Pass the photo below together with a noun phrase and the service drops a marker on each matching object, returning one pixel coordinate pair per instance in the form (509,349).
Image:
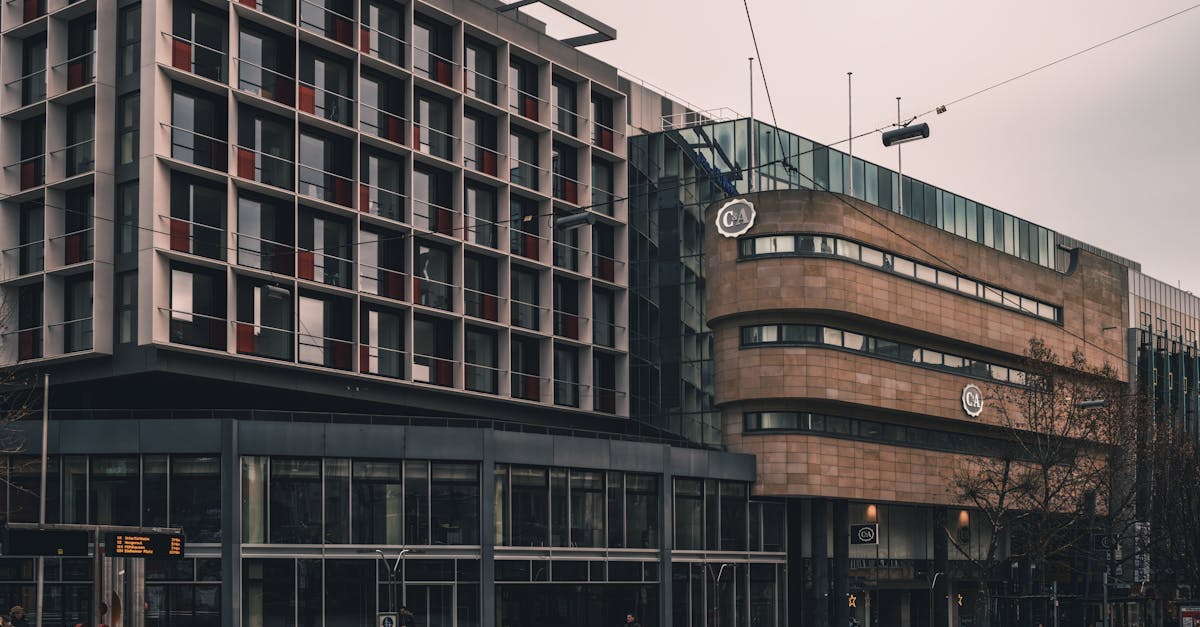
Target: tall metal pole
(850,123)
(750,146)
(899,160)
(41,561)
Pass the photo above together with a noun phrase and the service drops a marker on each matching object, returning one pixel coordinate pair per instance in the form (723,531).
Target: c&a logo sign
(735,218)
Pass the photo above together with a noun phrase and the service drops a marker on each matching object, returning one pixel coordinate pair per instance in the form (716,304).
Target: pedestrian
(406,617)
(17,615)
(631,621)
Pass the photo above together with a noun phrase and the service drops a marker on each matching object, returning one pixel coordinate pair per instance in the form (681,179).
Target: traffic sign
(864,534)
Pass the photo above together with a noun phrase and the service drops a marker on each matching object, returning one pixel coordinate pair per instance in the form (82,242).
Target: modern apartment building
(410,303)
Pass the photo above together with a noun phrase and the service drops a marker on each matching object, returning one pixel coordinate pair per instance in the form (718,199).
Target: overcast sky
(1104,147)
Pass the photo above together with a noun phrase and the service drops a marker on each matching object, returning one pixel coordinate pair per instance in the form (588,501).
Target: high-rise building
(409,303)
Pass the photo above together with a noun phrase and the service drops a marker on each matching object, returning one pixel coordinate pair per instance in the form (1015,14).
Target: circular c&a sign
(972,400)
(735,218)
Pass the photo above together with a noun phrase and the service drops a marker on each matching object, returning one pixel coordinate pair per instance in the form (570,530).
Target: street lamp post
(932,585)
(393,572)
(716,592)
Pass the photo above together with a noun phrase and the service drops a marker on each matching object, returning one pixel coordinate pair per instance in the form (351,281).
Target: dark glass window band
(811,245)
(831,337)
(871,431)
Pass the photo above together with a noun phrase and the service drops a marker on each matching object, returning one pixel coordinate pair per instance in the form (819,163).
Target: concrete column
(841,563)
(231,524)
(819,614)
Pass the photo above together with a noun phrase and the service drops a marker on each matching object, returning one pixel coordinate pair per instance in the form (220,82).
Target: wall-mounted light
(872,514)
(906,134)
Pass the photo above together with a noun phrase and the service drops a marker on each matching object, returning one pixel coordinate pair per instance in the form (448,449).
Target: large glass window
(264,318)
(295,512)
(325,167)
(416,502)
(265,233)
(480,61)
(479,215)
(480,286)
(382,338)
(482,360)
(325,251)
(77,325)
(454,503)
(523,159)
(128,128)
(689,514)
(641,511)
(114,490)
(523,88)
(266,64)
(264,148)
(382,180)
(530,506)
(197,307)
(382,31)
(195,491)
(433,351)
(129,39)
(377,503)
(325,88)
(81,48)
(382,103)
(526,367)
(199,43)
(587,508)
(566,375)
(197,216)
(432,47)
(566,105)
(524,290)
(524,226)
(432,128)
(432,207)
(29,321)
(324,330)
(432,276)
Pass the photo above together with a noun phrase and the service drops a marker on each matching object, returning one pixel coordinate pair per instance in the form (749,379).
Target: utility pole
(850,123)
(41,561)
(899,161)
(750,143)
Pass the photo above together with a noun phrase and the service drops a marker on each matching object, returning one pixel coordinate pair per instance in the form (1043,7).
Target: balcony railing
(604,137)
(198,149)
(266,83)
(526,386)
(383,124)
(482,378)
(604,267)
(380,45)
(480,304)
(525,315)
(480,85)
(378,201)
(566,324)
(605,399)
(523,172)
(566,256)
(481,158)
(204,240)
(267,169)
(319,350)
(481,231)
(81,70)
(527,245)
(263,341)
(433,293)
(324,103)
(315,17)
(323,267)
(605,333)
(434,66)
(194,329)
(525,104)
(282,9)
(566,120)
(32,86)
(31,257)
(80,157)
(602,201)
(78,246)
(378,360)
(77,334)
(327,186)
(433,141)
(432,217)
(566,188)
(264,254)
(197,58)
(566,392)
(32,171)
(380,281)
(29,343)
(431,369)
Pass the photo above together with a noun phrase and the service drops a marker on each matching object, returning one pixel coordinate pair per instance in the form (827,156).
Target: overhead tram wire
(1057,61)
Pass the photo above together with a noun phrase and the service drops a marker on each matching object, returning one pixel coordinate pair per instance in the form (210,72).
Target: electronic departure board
(148,545)
(45,542)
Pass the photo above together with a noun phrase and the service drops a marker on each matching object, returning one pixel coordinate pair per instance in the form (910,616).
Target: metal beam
(604,32)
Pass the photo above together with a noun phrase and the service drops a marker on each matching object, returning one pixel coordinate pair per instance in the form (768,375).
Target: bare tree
(1043,489)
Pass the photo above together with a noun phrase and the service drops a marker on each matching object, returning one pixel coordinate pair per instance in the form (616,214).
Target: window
(526,367)
(479,141)
(265,319)
(523,88)
(480,287)
(602,187)
(381,263)
(566,173)
(604,382)
(482,367)
(33,69)
(433,351)
(382,103)
(29,321)
(113,490)
(33,152)
(641,511)
(265,233)
(126,302)
(432,205)
(266,64)
(197,216)
(325,89)
(689,514)
(566,375)
(32,237)
(433,132)
(416,502)
(324,252)
(264,148)
(480,62)
(323,334)
(454,503)
(602,122)
(530,506)
(295,492)
(128,121)
(195,493)
(566,106)
(587,508)
(523,289)
(325,167)
(604,328)
(733,516)
(377,499)
(331,18)
(566,307)
(383,28)
(432,276)
(77,324)
(382,181)
(524,226)
(432,49)
(523,156)
(81,48)
(81,126)
(199,40)
(479,215)
(197,307)
(129,40)
(381,333)
(198,128)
